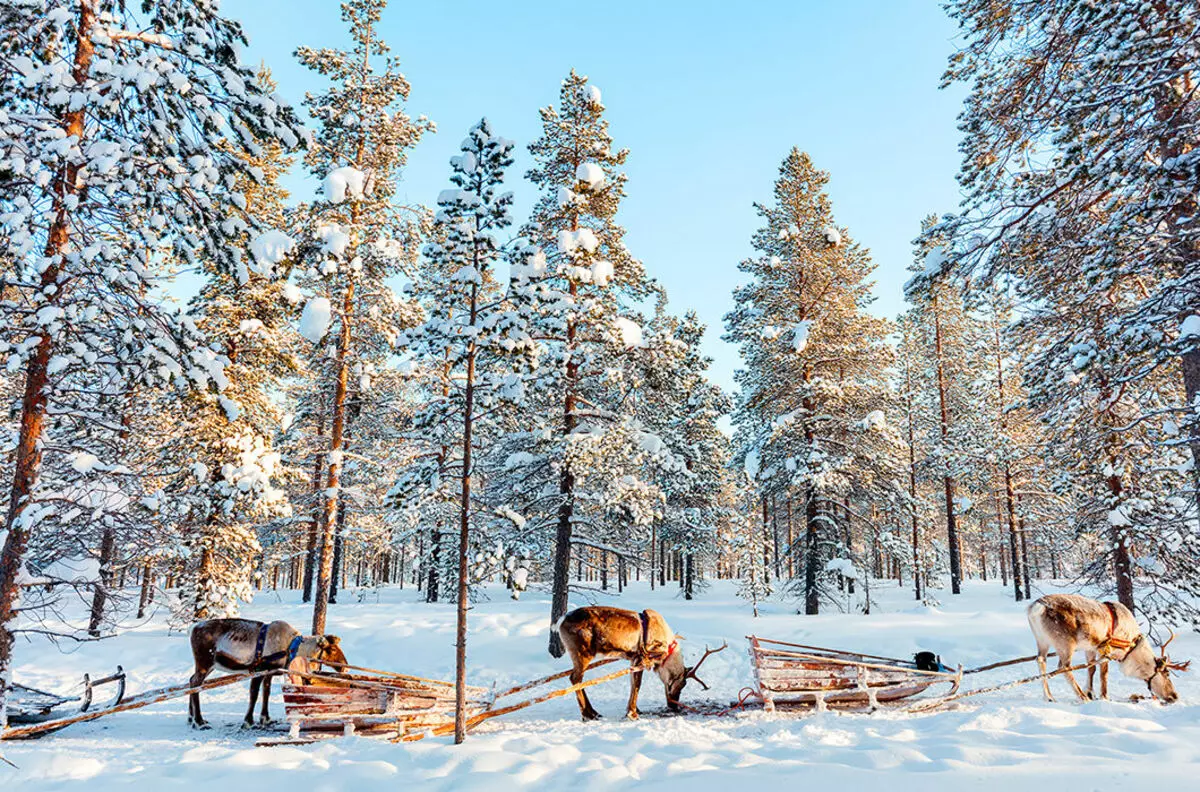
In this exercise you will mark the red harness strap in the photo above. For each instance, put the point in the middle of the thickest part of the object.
(645, 619)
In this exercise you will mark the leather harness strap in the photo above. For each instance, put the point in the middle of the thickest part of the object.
(1112, 641)
(645, 619)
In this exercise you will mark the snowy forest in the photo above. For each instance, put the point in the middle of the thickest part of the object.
(213, 389)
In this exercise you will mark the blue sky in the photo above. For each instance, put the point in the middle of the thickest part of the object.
(708, 97)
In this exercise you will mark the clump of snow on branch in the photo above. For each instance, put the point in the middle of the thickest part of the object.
(630, 332)
(832, 236)
(800, 336)
(315, 320)
(269, 249)
(342, 183)
(590, 174)
(590, 94)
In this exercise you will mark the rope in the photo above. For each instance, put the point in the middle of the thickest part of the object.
(744, 695)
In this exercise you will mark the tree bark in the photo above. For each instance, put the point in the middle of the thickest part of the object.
(947, 480)
(147, 588)
(314, 525)
(100, 593)
(1018, 572)
(812, 561)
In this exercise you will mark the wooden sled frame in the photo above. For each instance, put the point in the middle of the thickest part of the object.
(400, 707)
(791, 675)
(29, 705)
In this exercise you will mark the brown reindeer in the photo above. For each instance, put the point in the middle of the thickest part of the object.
(245, 645)
(643, 638)
(1105, 631)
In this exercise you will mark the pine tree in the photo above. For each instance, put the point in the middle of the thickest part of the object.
(104, 174)
(475, 343)
(581, 287)
(355, 238)
(814, 388)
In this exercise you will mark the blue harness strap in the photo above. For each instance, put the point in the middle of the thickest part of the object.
(293, 647)
(261, 661)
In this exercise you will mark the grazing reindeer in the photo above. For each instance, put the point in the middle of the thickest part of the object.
(1105, 631)
(245, 645)
(642, 638)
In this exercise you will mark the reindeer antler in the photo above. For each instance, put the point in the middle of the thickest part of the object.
(691, 672)
(1163, 648)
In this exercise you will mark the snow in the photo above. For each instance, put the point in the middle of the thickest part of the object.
(602, 272)
(571, 241)
(590, 174)
(936, 260)
(1190, 327)
(1010, 739)
(590, 94)
(334, 240)
(800, 336)
(269, 249)
(832, 236)
(315, 319)
(292, 293)
(83, 462)
(630, 332)
(875, 420)
(343, 183)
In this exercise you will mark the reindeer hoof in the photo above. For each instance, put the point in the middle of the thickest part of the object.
(591, 716)
(632, 715)
(266, 723)
(201, 725)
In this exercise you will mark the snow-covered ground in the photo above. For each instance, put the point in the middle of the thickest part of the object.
(993, 742)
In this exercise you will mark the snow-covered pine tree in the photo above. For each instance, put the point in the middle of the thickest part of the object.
(475, 344)
(110, 156)
(814, 383)
(227, 482)
(949, 339)
(1099, 166)
(355, 238)
(583, 289)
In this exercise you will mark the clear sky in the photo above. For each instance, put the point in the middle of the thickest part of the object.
(708, 96)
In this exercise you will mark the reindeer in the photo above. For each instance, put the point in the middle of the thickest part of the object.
(1105, 631)
(245, 645)
(642, 638)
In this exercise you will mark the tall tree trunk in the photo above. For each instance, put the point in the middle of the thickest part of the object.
(147, 588)
(1018, 570)
(435, 560)
(314, 525)
(947, 480)
(464, 523)
(766, 528)
(653, 550)
(334, 475)
(334, 579)
(812, 561)
(100, 592)
(27, 460)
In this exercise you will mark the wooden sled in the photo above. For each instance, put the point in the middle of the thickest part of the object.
(29, 705)
(790, 675)
(403, 708)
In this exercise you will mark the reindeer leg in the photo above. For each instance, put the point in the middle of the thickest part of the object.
(1064, 661)
(1041, 660)
(195, 719)
(265, 718)
(255, 684)
(1104, 679)
(585, 706)
(1091, 657)
(635, 686)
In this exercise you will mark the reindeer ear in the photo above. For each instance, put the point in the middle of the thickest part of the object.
(679, 637)
(334, 640)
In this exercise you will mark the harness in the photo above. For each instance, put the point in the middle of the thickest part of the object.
(655, 659)
(287, 656)
(1112, 642)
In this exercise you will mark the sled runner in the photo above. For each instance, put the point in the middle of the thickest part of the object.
(792, 675)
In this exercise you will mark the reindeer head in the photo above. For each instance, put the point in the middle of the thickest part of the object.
(328, 649)
(1160, 681)
(674, 675)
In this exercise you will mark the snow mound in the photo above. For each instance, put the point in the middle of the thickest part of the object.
(315, 319)
(590, 174)
(343, 183)
(1189, 327)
